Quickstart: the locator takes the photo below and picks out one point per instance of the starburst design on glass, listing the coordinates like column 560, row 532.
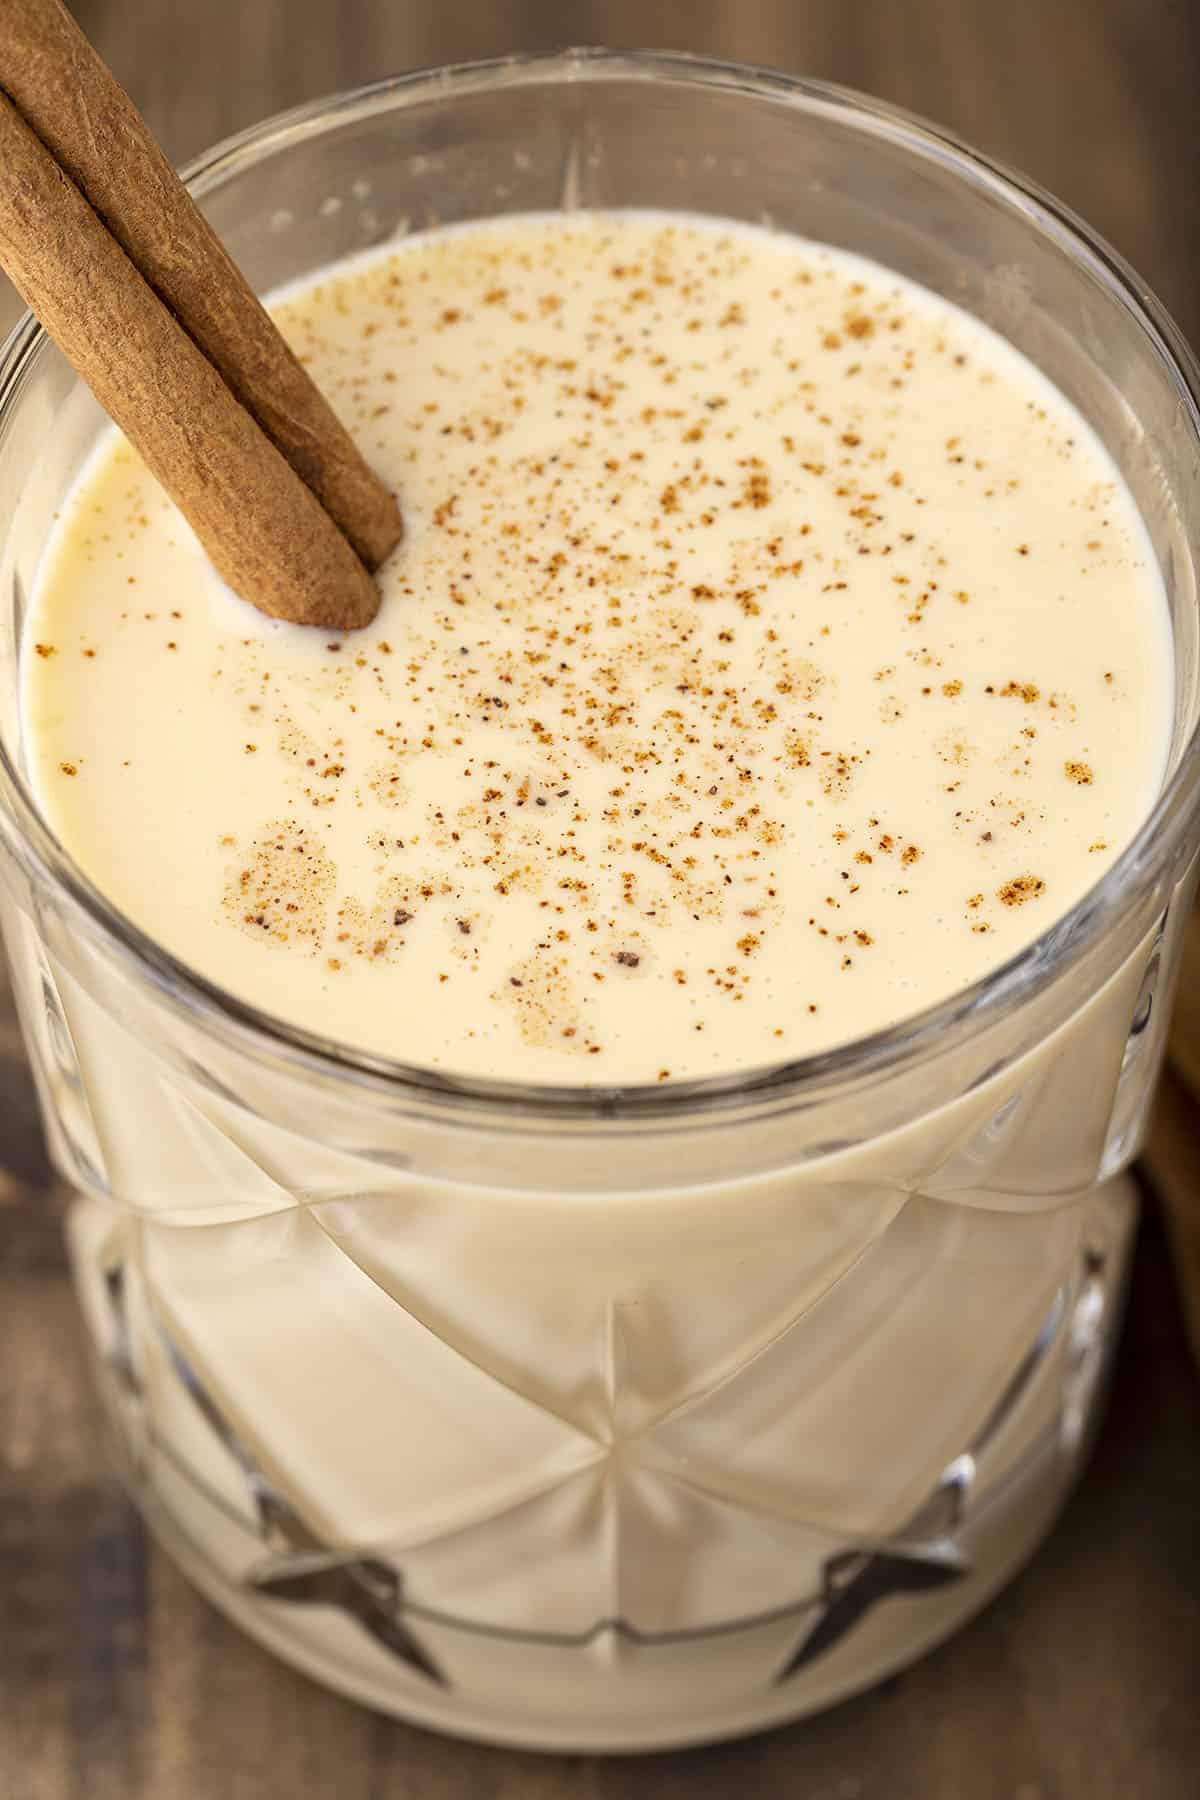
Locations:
column 640, row 1522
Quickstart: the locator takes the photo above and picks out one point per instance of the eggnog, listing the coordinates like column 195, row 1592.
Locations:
column 771, row 653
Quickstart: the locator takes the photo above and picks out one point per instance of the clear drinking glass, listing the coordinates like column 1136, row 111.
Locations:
column 613, row 1418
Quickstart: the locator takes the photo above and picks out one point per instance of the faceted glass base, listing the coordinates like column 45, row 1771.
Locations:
column 341, row 1616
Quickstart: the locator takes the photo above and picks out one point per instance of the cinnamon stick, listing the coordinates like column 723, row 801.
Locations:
column 266, row 532
column 74, row 103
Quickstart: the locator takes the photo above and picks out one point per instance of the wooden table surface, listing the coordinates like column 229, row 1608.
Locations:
column 1080, row 1683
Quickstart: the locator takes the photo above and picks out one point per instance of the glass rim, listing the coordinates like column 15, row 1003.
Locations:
column 801, row 1080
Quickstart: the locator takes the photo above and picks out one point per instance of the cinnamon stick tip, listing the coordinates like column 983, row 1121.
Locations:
column 351, row 606
column 383, row 533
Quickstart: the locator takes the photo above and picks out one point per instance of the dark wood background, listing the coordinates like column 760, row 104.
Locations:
column 1081, row 1681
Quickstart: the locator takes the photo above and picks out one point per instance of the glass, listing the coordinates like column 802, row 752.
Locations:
column 613, row 1418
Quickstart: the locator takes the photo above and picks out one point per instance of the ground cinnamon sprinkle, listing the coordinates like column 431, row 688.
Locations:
column 678, row 656
column 1020, row 889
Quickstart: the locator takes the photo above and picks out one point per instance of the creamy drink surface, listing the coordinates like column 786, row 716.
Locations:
column 771, row 652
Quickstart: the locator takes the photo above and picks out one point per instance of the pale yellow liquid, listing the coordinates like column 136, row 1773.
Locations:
column 828, row 638
column 771, row 653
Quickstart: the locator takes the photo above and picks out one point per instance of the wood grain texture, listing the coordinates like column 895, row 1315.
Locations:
column 1173, row 1153
column 1173, row 1162
column 116, row 1681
